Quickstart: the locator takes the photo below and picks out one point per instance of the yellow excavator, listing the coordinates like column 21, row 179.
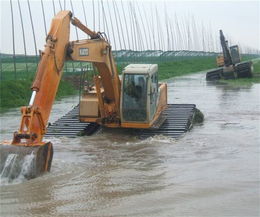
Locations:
column 136, row 101
column 235, row 55
column 229, row 63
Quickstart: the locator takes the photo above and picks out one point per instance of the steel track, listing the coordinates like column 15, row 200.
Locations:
column 178, row 121
column 214, row 74
column 69, row 126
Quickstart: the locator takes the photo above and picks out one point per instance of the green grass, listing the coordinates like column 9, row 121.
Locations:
column 257, row 67
column 8, row 72
column 17, row 93
column 65, row 88
column 183, row 67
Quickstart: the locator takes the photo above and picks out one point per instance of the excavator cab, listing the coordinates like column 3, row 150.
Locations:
column 235, row 54
column 139, row 94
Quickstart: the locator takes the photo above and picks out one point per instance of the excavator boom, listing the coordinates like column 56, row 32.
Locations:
column 225, row 48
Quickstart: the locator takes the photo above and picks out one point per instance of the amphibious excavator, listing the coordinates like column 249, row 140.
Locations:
column 229, row 63
column 136, row 101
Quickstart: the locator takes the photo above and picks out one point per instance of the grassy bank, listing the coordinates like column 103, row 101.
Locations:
column 17, row 93
column 183, row 67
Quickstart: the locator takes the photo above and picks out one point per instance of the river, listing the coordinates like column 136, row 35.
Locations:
column 213, row 170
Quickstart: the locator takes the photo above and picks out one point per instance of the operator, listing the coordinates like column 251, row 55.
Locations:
column 137, row 90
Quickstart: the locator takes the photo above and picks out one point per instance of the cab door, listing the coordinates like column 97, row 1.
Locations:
column 153, row 95
column 235, row 54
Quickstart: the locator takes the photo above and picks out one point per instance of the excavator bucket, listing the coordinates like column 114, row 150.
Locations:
column 25, row 162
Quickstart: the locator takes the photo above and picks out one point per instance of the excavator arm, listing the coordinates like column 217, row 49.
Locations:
column 35, row 116
column 51, row 67
column 226, row 51
column 98, row 51
column 28, row 140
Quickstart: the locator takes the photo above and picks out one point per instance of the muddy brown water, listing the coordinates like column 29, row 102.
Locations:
column 212, row 170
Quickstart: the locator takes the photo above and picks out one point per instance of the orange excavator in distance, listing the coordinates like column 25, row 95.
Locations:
column 111, row 103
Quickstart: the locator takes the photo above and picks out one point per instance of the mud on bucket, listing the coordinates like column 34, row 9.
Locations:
column 17, row 161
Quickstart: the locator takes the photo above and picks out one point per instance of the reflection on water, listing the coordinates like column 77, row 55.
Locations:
column 211, row 170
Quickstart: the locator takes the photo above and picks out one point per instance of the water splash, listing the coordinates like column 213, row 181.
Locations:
column 16, row 170
column 28, row 167
column 10, row 167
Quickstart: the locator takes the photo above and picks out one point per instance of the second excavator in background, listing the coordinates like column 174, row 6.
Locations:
column 229, row 63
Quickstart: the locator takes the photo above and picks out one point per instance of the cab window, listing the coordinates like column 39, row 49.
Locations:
column 134, row 97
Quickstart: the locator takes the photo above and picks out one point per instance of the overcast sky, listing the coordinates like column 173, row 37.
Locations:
column 239, row 21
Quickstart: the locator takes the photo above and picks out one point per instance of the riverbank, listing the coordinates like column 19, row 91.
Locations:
column 184, row 67
column 17, row 93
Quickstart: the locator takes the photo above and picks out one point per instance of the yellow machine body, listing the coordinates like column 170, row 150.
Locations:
column 220, row 60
